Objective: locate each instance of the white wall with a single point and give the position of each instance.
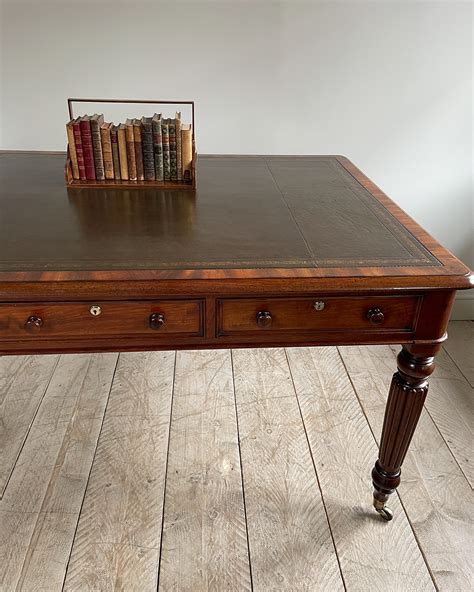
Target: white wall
(387, 83)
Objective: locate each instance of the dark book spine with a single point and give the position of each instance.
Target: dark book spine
(87, 149)
(165, 138)
(79, 151)
(137, 137)
(97, 148)
(173, 151)
(158, 149)
(115, 153)
(179, 160)
(147, 144)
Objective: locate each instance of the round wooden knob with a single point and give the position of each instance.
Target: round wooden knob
(157, 320)
(33, 324)
(264, 319)
(375, 316)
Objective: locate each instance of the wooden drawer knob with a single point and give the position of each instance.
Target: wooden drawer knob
(375, 316)
(157, 320)
(264, 319)
(33, 324)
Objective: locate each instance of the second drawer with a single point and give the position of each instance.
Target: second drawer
(352, 313)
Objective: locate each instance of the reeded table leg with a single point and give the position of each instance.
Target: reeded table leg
(405, 402)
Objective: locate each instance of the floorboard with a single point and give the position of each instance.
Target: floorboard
(117, 542)
(23, 383)
(290, 542)
(460, 347)
(204, 533)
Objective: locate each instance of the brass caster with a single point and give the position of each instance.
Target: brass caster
(382, 509)
(386, 514)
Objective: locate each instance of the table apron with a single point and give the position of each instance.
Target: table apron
(224, 321)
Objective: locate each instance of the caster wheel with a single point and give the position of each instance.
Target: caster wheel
(386, 513)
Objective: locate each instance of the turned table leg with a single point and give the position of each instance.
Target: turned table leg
(405, 401)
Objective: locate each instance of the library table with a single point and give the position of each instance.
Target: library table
(268, 251)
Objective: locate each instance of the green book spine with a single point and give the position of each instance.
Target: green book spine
(179, 159)
(173, 152)
(157, 147)
(147, 146)
(165, 137)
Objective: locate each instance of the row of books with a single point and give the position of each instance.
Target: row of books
(146, 149)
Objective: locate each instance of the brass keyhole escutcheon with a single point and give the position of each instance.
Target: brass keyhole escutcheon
(95, 310)
(319, 305)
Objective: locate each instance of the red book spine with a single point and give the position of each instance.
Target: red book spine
(79, 152)
(87, 149)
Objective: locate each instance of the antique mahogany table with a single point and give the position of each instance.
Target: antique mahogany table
(274, 251)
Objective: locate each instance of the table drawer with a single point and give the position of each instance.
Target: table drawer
(101, 319)
(366, 313)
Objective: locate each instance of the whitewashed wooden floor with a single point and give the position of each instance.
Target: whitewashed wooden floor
(220, 470)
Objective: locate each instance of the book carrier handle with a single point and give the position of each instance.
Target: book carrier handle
(134, 184)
